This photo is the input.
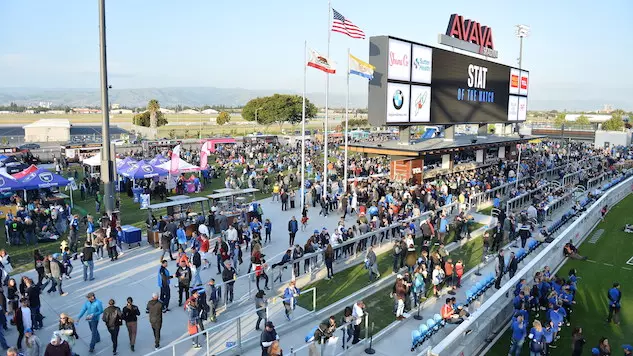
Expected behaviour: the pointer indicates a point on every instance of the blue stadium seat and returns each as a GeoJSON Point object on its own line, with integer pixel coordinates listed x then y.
{"type": "Point", "coordinates": [415, 337]}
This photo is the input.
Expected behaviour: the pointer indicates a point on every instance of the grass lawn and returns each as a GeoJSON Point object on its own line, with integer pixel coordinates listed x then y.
{"type": "Point", "coordinates": [486, 211]}
{"type": "Point", "coordinates": [607, 264]}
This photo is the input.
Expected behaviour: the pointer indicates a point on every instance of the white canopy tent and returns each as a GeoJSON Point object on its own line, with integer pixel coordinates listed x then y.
{"type": "Point", "coordinates": [93, 161]}
{"type": "Point", "coordinates": [183, 167]}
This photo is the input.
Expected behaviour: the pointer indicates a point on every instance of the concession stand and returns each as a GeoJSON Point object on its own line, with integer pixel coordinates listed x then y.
{"type": "Point", "coordinates": [188, 211]}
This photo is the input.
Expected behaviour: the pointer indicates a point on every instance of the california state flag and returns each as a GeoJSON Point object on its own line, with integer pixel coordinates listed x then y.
{"type": "Point", "coordinates": [175, 158]}
{"type": "Point", "coordinates": [321, 62]}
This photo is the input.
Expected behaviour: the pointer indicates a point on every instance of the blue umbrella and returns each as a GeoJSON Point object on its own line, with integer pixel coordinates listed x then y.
{"type": "Point", "coordinates": [159, 159]}
{"type": "Point", "coordinates": [42, 178]}
{"type": "Point", "coordinates": [142, 169]}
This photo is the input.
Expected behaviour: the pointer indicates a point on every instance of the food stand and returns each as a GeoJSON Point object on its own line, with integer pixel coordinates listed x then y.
{"type": "Point", "coordinates": [183, 210]}
{"type": "Point", "coordinates": [231, 203]}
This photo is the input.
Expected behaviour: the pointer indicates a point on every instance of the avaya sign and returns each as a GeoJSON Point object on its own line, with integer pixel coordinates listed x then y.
{"type": "Point", "coordinates": [469, 35]}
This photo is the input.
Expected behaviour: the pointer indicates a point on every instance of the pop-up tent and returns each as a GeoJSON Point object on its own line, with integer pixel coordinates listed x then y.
{"type": "Point", "coordinates": [41, 178]}
{"type": "Point", "coordinates": [93, 161]}
{"type": "Point", "coordinates": [159, 159]}
{"type": "Point", "coordinates": [25, 172]}
{"type": "Point", "coordinates": [141, 170]}
{"type": "Point", "coordinates": [7, 184]}
{"type": "Point", "coordinates": [183, 167]}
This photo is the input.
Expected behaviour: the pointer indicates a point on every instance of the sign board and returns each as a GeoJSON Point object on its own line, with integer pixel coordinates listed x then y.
{"type": "Point", "coordinates": [469, 35]}
{"type": "Point", "coordinates": [416, 84]}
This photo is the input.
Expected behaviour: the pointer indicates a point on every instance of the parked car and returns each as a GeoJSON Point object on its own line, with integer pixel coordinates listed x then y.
{"type": "Point", "coordinates": [29, 146]}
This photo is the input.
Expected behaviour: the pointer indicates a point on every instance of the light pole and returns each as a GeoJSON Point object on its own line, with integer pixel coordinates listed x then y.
{"type": "Point", "coordinates": [107, 168]}
{"type": "Point", "coordinates": [522, 32]}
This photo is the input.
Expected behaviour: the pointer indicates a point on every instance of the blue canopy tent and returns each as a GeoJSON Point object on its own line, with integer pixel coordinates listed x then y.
{"type": "Point", "coordinates": [42, 178]}
{"type": "Point", "coordinates": [8, 184]}
{"type": "Point", "coordinates": [141, 170]}
{"type": "Point", "coordinates": [159, 159]}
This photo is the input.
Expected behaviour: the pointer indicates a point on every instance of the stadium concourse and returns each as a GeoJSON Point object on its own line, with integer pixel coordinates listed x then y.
{"type": "Point", "coordinates": [135, 275]}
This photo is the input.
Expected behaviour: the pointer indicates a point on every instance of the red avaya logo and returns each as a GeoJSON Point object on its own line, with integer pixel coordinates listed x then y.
{"type": "Point", "coordinates": [524, 82]}
{"type": "Point", "coordinates": [395, 61]}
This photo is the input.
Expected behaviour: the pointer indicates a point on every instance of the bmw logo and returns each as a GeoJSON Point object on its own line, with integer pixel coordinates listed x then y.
{"type": "Point", "coordinates": [398, 99]}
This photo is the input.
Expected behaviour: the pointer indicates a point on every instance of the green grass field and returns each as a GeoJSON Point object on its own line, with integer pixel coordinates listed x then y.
{"type": "Point", "coordinates": [607, 264]}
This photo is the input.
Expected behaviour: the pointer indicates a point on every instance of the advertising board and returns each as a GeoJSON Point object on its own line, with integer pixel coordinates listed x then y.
{"type": "Point", "coordinates": [416, 84]}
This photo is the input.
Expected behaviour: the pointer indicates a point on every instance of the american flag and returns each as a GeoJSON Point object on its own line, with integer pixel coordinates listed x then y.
{"type": "Point", "coordinates": [345, 26]}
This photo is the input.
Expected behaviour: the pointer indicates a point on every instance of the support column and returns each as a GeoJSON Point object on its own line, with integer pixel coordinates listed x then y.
{"type": "Point", "coordinates": [447, 161]}
{"type": "Point", "coordinates": [502, 152]}
{"type": "Point", "coordinates": [449, 132]}
{"type": "Point", "coordinates": [405, 135]}
{"type": "Point", "coordinates": [482, 130]}
{"type": "Point", "coordinates": [479, 156]}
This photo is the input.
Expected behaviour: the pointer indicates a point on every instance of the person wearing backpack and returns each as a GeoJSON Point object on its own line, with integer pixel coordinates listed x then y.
{"type": "Point", "coordinates": [537, 339]}
{"type": "Point", "coordinates": [113, 319]}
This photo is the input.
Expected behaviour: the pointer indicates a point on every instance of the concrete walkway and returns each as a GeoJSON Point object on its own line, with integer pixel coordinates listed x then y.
{"type": "Point", "coordinates": [135, 275]}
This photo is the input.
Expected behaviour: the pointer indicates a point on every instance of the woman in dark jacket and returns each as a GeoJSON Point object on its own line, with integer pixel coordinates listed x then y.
{"type": "Point", "coordinates": [12, 295]}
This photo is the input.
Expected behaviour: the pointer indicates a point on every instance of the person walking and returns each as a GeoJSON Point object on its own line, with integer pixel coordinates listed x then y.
{"type": "Point", "coordinates": [293, 227]}
{"type": "Point", "coordinates": [22, 320]}
{"type": "Point", "coordinates": [290, 298]}
{"type": "Point", "coordinates": [183, 273]}
{"type": "Point", "coordinates": [192, 321]}
{"type": "Point", "coordinates": [87, 259]}
{"type": "Point", "coordinates": [500, 268]}
{"type": "Point", "coordinates": [512, 265]}
{"type": "Point", "coordinates": [32, 293]}
{"type": "Point", "coordinates": [260, 308]}
{"type": "Point", "coordinates": [113, 319]}
{"type": "Point", "coordinates": [229, 275]}
{"type": "Point", "coordinates": [358, 316]}
{"type": "Point", "coordinates": [155, 310]}
{"type": "Point", "coordinates": [32, 343]}
{"type": "Point", "coordinates": [614, 295]}
{"type": "Point", "coordinates": [268, 336]}
{"type": "Point", "coordinates": [213, 299]}
{"type": "Point", "coordinates": [328, 256]}
{"type": "Point", "coordinates": [130, 316]}
{"type": "Point", "coordinates": [92, 308]}
{"type": "Point", "coordinates": [57, 273]}
{"type": "Point", "coordinates": [163, 283]}
{"type": "Point", "coordinates": [67, 330]}
{"type": "Point", "coordinates": [195, 267]}
{"type": "Point", "coordinates": [165, 244]}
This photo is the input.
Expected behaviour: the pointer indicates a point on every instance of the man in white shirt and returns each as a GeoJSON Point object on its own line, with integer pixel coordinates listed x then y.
{"type": "Point", "coordinates": [357, 314]}
{"type": "Point", "coordinates": [532, 213]}
{"type": "Point", "coordinates": [231, 236]}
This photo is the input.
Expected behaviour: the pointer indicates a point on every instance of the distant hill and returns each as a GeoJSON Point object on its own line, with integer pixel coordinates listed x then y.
{"type": "Point", "coordinates": [200, 96]}
{"type": "Point", "coordinates": [166, 96]}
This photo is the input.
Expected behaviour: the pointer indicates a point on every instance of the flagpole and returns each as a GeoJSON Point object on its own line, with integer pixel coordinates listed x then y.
{"type": "Point", "coordinates": [327, 94]}
{"type": "Point", "coordinates": [346, 125]}
{"type": "Point", "coordinates": [303, 127]}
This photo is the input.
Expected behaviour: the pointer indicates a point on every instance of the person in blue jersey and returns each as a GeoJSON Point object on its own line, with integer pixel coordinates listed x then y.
{"type": "Point", "coordinates": [518, 335]}
{"type": "Point", "coordinates": [537, 339]}
{"type": "Point", "coordinates": [615, 295]}
{"type": "Point", "coordinates": [163, 283]}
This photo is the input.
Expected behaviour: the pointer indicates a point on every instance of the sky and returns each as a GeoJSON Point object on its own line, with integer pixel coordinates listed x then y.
{"type": "Point", "coordinates": [577, 49]}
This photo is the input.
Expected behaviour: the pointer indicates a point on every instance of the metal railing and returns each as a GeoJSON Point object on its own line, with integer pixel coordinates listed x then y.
{"type": "Point", "coordinates": [330, 346]}
{"type": "Point", "coordinates": [527, 197]}
{"type": "Point", "coordinates": [235, 330]}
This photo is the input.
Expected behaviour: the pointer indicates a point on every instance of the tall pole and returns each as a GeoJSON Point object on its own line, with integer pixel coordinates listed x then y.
{"type": "Point", "coordinates": [327, 94]}
{"type": "Point", "coordinates": [303, 128]}
{"type": "Point", "coordinates": [518, 166]}
{"type": "Point", "coordinates": [520, 51]}
{"type": "Point", "coordinates": [345, 164]}
{"type": "Point", "coordinates": [107, 169]}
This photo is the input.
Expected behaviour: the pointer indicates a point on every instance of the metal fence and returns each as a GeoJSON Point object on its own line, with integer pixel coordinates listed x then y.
{"type": "Point", "coordinates": [229, 336]}
{"type": "Point", "coordinates": [526, 198]}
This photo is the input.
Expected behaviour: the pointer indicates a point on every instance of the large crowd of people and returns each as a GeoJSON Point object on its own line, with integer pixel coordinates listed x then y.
{"type": "Point", "coordinates": [371, 199]}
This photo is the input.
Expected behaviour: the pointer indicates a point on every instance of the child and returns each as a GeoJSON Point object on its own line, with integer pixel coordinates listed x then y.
{"type": "Point", "coordinates": [66, 256]}
{"type": "Point", "coordinates": [269, 227]}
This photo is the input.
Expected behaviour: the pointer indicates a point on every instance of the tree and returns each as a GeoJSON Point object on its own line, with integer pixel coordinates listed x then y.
{"type": "Point", "coordinates": [559, 120]}
{"type": "Point", "coordinates": [223, 118]}
{"type": "Point", "coordinates": [153, 107]}
{"type": "Point", "coordinates": [583, 120]}
{"type": "Point", "coordinates": [278, 108]}
{"type": "Point", "coordinates": [144, 119]}
{"type": "Point", "coordinates": [615, 123]}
